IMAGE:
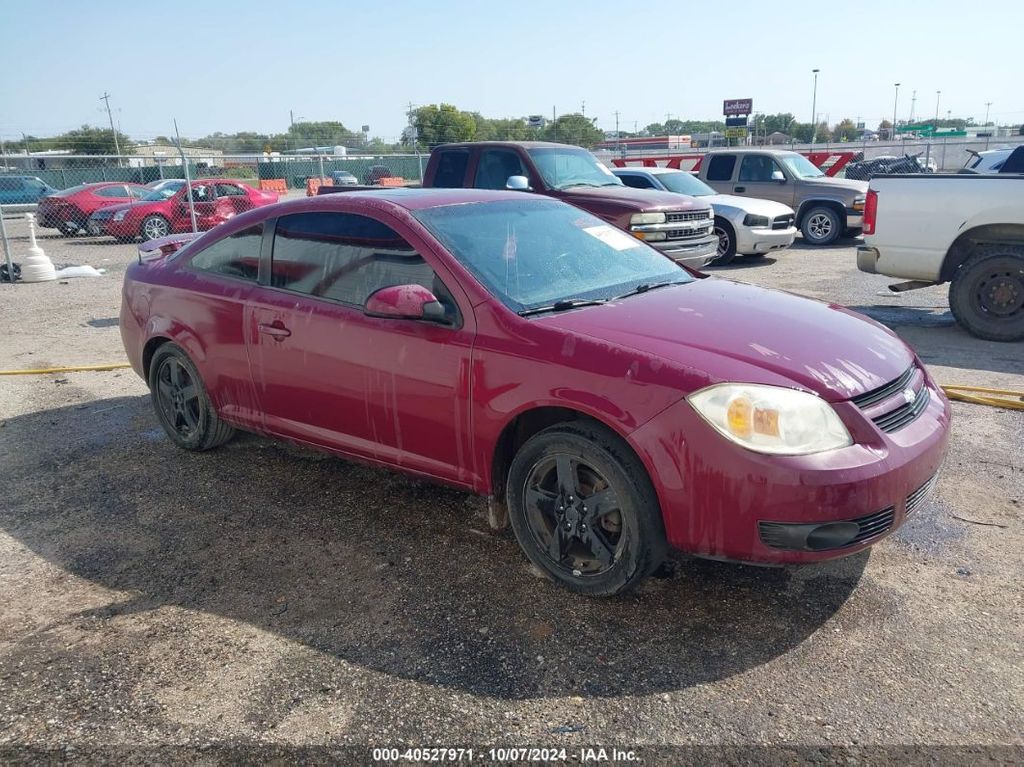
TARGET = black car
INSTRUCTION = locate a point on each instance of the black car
(375, 173)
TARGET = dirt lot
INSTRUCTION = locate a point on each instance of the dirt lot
(260, 594)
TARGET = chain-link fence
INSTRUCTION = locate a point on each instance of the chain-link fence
(65, 171)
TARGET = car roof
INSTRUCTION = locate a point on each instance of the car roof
(654, 171)
(420, 199)
(751, 150)
(523, 144)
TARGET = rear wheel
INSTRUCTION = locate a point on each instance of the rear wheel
(821, 226)
(726, 243)
(583, 509)
(182, 405)
(153, 227)
(986, 295)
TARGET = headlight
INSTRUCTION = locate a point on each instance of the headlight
(757, 222)
(771, 419)
(858, 204)
(647, 218)
(119, 216)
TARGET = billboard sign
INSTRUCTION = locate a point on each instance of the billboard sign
(735, 132)
(737, 106)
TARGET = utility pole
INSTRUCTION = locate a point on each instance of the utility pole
(988, 104)
(892, 133)
(618, 138)
(913, 103)
(117, 146)
(937, 95)
(583, 108)
(814, 107)
(291, 117)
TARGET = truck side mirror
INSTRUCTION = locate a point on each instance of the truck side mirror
(777, 175)
(518, 184)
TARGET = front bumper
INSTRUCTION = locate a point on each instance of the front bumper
(754, 241)
(694, 253)
(716, 496)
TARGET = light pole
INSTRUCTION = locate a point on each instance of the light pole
(895, 103)
(937, 95)
(988, 105)
(814, 108)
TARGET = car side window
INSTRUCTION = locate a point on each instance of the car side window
(8, 184)
(720, 167)
(637, 181)
(202, 193)
(235, 256)
(138, 192)
(757, 167)
(451, 168)
(112, 191)
(347, 257)
(495, 166)
(229, 190)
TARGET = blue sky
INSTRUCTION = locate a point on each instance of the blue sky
(228, 66)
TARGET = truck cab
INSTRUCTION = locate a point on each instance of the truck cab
(826, 208)
(681, 227)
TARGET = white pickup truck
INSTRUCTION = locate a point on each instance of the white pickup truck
(967, 230)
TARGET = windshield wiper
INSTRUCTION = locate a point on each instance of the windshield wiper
(645, 286)
(560, 187)
(563, 305)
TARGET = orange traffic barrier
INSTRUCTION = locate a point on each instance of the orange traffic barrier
(312, 184)
(391, 181)
(274, 185)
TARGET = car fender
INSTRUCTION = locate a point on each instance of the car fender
(818, 199)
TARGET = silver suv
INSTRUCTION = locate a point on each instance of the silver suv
(826, 207)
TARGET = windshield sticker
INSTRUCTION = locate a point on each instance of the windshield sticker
(613, 237)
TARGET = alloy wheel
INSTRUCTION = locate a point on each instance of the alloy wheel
(154, 228)
(820, 226)
(723, 241)
(178, 397)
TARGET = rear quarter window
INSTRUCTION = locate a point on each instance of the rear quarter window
(720, 167)
(451, 169)
(235, 256)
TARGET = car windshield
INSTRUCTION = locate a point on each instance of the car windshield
(536, 253)
(801, 167)
(685, 183)
(165, 192)
(563, 168)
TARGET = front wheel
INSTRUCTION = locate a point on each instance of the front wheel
(986, 295)
(726, 243)
(821, 226)
(182, 405)
(154, 227)
(583, 509)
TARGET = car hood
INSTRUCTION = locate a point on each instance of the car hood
(770, 208)
(639, 199)
(833, 184)
(738, 332)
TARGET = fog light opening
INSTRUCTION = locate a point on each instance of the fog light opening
(832, 536)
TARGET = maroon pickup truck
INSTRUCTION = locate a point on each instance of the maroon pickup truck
(680, 227)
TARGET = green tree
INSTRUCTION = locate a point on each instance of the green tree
(573, 129)
(885, 129)
(89, 140)
(324, 133)
(801, 132)
(778, 123)
(845, 130)
(442, 123)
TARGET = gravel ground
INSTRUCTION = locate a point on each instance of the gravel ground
(262, 595)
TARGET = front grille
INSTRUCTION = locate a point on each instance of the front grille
(901, 416)
(695, 215)
(783, 222)
(687, 234)
(874, 525)
(919, 496)
(884, 392)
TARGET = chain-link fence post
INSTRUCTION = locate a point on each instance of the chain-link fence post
(7, 246)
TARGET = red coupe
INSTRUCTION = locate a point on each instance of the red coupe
(613, 402)
(166, 210)
(68, 211)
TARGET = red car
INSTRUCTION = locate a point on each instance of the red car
(613, 402)
(69, 210)
(167, 210)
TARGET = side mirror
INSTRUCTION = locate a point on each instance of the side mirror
(405, 302)
(777, 175)
(518, 184)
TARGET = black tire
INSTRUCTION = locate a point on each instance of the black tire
(182, 405)
(149, 225)
(621, 531)
(853, 232)
(726, 243)
(821, 225)
(986, 295)
(71, 228)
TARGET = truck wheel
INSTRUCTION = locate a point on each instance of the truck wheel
(821, 226)
(583, 509)
(726, 243)
(986, 295)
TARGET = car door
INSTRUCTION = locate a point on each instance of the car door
(232, 199)
(754, 179)
(391, 390)
(204, 198)
(495, 166)
(719, 171)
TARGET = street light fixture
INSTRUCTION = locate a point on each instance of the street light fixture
(895, 103)
(814, 108)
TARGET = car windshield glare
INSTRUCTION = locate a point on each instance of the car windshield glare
(562, 168)
(532, 253)
(801, 167)
(684, 183)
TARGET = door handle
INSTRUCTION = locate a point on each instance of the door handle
(276, 330)
(740, 189)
